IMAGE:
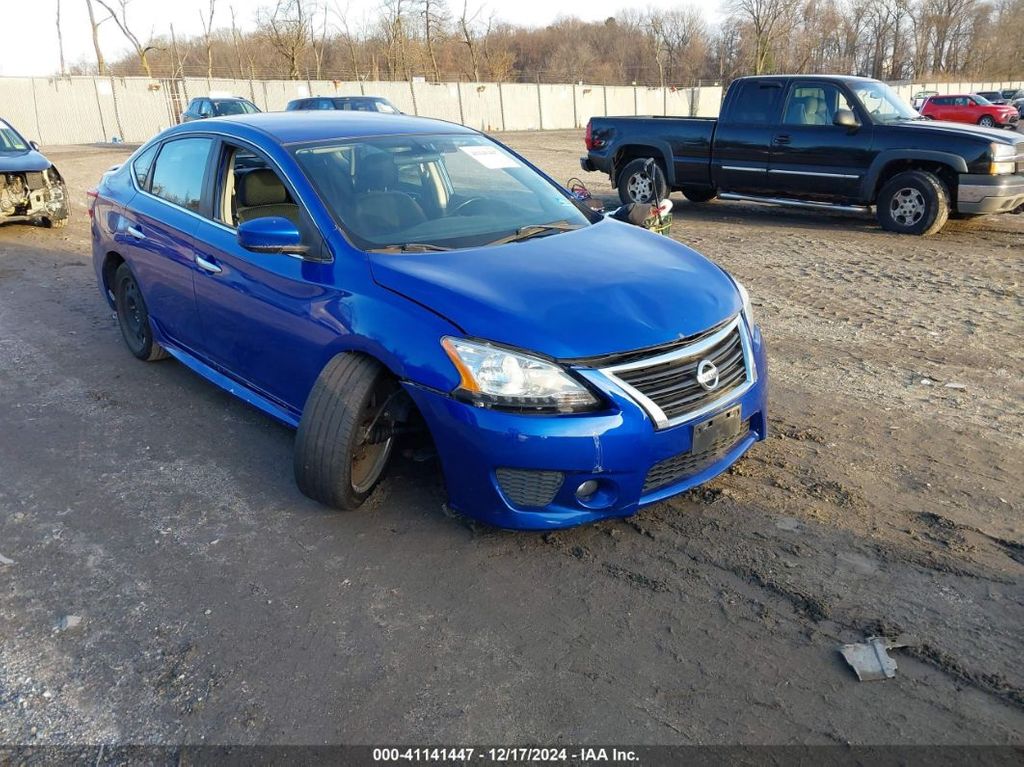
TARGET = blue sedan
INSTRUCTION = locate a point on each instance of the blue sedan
(365, 278)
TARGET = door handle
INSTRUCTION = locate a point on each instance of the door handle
(783, 139)
(135, 232)
(207, 266)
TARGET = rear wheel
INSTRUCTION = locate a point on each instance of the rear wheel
(346, 434)
(637, 183)
(987, 122)
(133, 317)
(698, 194)
(913, 202)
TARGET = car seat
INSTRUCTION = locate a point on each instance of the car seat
(380, 208)
(261, 194)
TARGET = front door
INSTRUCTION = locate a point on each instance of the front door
(264, 316)
(742, 144)
(811, 157)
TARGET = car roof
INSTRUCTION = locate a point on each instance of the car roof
(301, 126)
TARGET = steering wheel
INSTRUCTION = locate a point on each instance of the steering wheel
(467, 208)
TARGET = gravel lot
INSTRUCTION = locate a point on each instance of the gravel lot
(218, 605)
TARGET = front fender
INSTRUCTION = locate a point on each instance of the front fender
(884, 158)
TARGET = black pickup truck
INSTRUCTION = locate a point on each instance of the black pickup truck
(816, 141)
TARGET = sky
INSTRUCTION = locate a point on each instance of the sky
(30, 43)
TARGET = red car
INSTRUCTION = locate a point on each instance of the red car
(970, 108)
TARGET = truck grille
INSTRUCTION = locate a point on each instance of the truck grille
(669, 381)
(679, 467)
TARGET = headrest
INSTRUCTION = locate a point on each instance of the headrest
(377, 171)
(261, 187)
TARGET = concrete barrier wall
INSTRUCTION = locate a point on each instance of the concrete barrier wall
(79, 110)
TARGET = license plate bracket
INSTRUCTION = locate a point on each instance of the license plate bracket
(724, 426)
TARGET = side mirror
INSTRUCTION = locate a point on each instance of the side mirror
(845, 119)
(272, 234)
(34, 145)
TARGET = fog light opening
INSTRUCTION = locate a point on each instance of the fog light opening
(586, 490)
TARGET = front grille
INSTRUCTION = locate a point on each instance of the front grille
(679, 467)
(529, 489)
(672, 384)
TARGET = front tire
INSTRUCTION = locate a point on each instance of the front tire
(987, 122)
(133, 317)
(344, 439)
(914, 202)
(636, 185)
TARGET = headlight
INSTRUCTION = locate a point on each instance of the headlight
(496, 377)
(748, 310)
(1004, 158)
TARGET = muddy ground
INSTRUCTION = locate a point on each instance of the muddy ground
(217, 604)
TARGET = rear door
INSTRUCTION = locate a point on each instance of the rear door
(742, 144)
(156, 234)
(813, 158)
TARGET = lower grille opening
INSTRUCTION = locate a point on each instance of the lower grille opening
(528, 488)
(679, 467)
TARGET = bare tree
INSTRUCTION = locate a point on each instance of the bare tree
(318, 37)
(122, 23)
(350, 39)
(286, 25)
(236, 40)
(434, 15)
(101, 65)
(769, 20)
(60, 42)
(207, 22)
(468, 37)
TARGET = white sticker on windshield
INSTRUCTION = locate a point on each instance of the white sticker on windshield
(490, 157)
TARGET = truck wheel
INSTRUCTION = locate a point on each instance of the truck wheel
(345, 436)
(636, 185)
(133, 317)
(986, 122)
(698, 194)
(913, 202)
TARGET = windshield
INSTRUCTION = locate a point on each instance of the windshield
(883, 103)
(235, 108)
(10, 141)
(433, 191)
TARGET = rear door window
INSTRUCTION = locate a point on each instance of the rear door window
(180, 171)
(143, 165)
(756, 103)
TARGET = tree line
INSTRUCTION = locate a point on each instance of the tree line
(443, 40)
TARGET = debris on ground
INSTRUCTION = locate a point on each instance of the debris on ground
(870, 660)
(5, 561)
(68, 622)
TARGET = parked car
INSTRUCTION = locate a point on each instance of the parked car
(920, 97)
(993, 97)
(358, 277)
(346, 103)
(971, 108)
(819, 142)
(31, 188)
(203, 107)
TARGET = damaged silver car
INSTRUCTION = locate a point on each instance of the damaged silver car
(31, 189)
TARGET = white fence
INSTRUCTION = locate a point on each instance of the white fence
(85, 110)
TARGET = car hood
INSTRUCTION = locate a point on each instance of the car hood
(988, 134)
(19, 162)
(606, 288)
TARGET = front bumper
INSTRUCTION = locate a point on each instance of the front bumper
(990, 194)
(616, 447)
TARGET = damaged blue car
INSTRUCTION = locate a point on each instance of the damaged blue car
(367, 278)
(31, 189)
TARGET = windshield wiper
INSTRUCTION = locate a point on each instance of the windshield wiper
(410, 247)
(535, 230)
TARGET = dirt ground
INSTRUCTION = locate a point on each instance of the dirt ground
(216, 604)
